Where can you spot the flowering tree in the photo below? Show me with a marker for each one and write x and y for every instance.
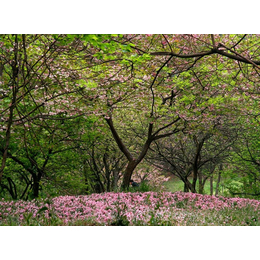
(174, 80)
(101, 159)
(145, 87)
(41, 78)
(36, 80)
(194, 155)
(245, 158)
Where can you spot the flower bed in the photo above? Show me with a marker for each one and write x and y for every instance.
(148, 208)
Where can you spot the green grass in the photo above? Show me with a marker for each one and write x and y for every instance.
(176, 184)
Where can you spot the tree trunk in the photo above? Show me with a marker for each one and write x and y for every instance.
(186, 187)
(108, 183)
(132, 163)
(11, 188)
(8, 137)
(86, 176)
(201, 185)
(36, 187)
(107, 171)
(219, 178)
(128, 173)
(15, 80)
(98, 185)
(211, 185)
(115, 178)
(194, 180)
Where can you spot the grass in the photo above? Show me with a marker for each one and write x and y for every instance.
(175, 184)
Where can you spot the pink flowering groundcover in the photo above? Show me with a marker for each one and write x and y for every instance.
(147, 208)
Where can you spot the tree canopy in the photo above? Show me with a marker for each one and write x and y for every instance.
(83, 113)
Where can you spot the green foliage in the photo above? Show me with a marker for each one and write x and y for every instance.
(67, 84)
(120, 220)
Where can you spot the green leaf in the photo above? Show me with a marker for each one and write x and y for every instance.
(42, 209)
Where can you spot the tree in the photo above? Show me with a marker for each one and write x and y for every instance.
(36, 77)
(245, 159)
(193, 156)
(159, 85)
(101, 159)
(155, 65)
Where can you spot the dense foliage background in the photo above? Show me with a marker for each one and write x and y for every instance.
(82, 114)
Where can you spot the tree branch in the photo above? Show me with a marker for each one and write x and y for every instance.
(166, 126)
(237, 57)
(240, 56)
(118, 140)
(155, 77)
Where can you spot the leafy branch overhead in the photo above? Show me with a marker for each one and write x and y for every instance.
(96, 110)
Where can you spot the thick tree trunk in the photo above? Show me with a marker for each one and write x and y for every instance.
(36, 187)
(34, 192)
(188, 185)
(128, 173)
(108, 183)
(115, 181)
(191, 187)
